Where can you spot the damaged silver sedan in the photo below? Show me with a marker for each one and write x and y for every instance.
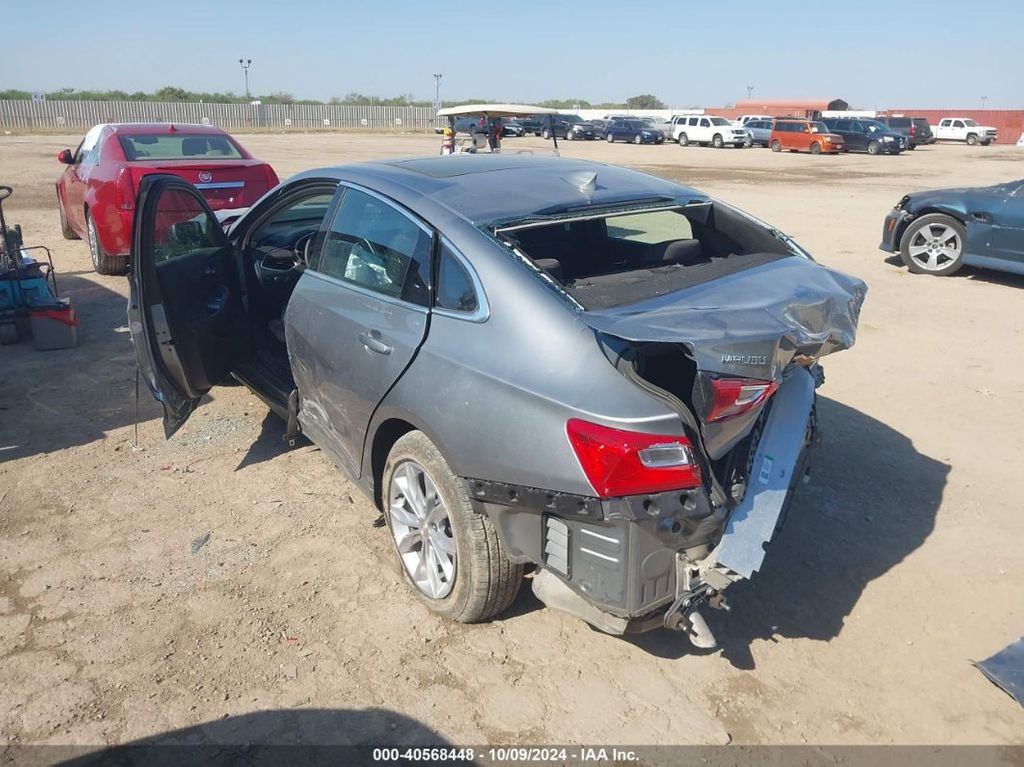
(524, 361)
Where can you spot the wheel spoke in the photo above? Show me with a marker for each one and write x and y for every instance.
(933, 260)
(431, 565)
(402, 515)
(443, 543)
(407, 542)
(950, 253)
(413, 490)
(917, 250)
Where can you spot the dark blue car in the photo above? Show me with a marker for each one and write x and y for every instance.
(637, 131)
(938, 231)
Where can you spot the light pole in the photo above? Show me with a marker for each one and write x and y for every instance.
(437, 90)
(245, 64)
(983, 100)
(750, 89)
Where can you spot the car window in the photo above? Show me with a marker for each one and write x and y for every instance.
(692, 121)
(287, 226)
(455, 289)
(651, 227)
(705, 123)
(958, 124)
(181, 226)
(374, 245)
(178, 146)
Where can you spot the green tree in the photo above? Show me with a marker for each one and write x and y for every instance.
(644, 101)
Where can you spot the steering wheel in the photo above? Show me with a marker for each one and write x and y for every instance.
(366, 245)
(301, 248)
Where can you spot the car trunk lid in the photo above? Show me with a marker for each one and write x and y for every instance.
(228, 184)
(751, 323)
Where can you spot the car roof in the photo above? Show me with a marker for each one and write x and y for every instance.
(491, 189)
(129, 129)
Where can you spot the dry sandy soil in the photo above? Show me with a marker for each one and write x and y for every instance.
(900, 563)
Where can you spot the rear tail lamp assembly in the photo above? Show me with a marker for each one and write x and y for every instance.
(619, 463)
(731, 397)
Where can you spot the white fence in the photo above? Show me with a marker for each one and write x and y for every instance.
(36, 115)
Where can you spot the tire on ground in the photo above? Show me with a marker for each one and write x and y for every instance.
(101, 262)
(486, 582)
(916, 226)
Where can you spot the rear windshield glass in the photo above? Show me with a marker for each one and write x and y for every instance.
(178, 146)
(628, 257)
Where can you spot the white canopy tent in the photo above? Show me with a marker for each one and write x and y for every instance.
(491, 111)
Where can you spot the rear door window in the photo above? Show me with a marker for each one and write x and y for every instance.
(375, 246)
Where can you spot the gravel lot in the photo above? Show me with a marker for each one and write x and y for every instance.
(900, 563)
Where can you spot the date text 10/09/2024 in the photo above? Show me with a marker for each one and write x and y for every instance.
(509, 754)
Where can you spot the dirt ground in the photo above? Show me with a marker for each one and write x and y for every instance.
(901, 561)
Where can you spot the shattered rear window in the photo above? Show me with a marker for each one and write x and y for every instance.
(626, 257)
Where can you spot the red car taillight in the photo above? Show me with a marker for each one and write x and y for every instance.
(272, 179)
(620, 463)
(124, 190)
(733, 396)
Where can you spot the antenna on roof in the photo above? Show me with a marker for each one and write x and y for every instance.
(584, 180)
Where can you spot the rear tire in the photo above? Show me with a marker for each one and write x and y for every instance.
(484, 582)
(815, 148)
(683, 140)
(972, 140)
(101, 262)
(609, 138)
(717, 142)
(65, 227)
(776, 145)
(545, 134)
(637, 139)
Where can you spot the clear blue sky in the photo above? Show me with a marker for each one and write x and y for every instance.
(873, 53)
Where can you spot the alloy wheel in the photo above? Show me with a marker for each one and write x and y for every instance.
(94, 242)
(935, 246)
(422, 530)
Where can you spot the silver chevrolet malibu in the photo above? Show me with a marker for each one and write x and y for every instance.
(524, 361)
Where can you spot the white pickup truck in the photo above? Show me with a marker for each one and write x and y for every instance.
(964, 129)
(707, 129)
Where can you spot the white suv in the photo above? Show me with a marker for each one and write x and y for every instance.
(709, 129)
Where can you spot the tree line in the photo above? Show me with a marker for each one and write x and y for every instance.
(171, 93)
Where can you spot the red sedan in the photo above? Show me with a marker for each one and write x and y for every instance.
(96, 193)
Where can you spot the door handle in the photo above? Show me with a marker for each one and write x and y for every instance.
(372, 341)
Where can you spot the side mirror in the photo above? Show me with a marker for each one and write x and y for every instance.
(66, 157)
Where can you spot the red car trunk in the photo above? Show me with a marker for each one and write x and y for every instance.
(231, 184)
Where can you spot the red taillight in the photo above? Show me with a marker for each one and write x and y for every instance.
(913, 130)
(272, 179)
(733, 396)
(620, 463)
(124, 190)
